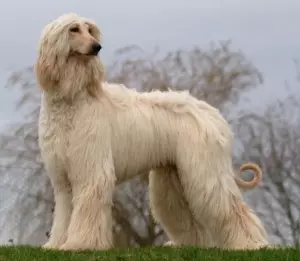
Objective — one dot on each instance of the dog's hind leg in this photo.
(214, 197)
(170, 209)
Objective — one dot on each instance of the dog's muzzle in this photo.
(96, 47)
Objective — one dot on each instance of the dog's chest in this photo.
(54, 133)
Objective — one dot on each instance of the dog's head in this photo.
(84, 39)
(69, 35)
(68, 51)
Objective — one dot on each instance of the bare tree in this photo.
(27, 193)
(132, 217)
(217, 75)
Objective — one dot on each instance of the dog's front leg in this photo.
(63, 203)
(93, 181)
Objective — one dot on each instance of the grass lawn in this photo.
(148, 254)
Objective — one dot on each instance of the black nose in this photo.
(96, 48)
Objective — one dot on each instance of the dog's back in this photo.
(148, 129)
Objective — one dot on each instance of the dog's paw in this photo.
(169, 243)
(80, 247)
(50, 245)
(72, 247)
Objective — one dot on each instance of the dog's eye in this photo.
(90, 30)
(74, 30)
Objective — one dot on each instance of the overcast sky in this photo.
(266, 31)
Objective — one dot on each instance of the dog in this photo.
(94, 134)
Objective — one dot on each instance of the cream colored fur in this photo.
(171, 210)
(93, 134)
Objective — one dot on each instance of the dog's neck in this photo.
(73, 80)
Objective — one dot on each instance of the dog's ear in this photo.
(46, 68)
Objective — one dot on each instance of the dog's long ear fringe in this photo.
(46, 71)
(47, 66)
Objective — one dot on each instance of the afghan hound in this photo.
(93, 135)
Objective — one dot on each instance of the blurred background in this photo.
(238, 55)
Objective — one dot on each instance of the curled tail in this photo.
(254, 182)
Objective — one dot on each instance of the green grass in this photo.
(148, 254)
